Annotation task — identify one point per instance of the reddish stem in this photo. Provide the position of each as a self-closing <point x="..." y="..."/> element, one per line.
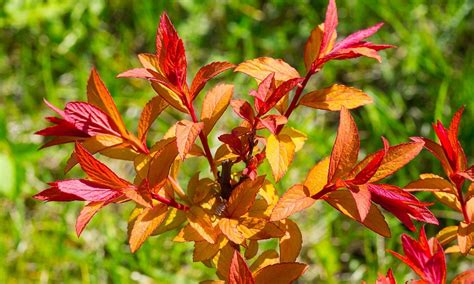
<point x="299" y="91"/>
<point x="204" y="142"/>
<point x="324" y="191"/>
<point x="461" y="201"/>
<point x="170" y="202"/>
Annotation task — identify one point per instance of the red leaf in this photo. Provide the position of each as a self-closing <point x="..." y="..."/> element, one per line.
<point x="363" y="201"/>
<point x="357" y="37"/>
<point x="239" y="272"/>
<point x="77" y="189"/>
<point x="90" y="119"/>
<point x="272" y="122"/>
<point x="171" y="54"/>
<point x="371" y="168"/>
<point x="206" y="73"/>
<point x="401" y="204"/>
<point x="330" y="25"/>
<point x="275" y="97"/>
<point x="97" y="171"/>
<point x="243" y="109"/>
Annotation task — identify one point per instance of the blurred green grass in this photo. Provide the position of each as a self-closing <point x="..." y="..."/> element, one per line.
<point x="48" y="47"/>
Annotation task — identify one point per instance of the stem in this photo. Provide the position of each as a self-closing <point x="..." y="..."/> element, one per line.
<point x="177" y="188"/>
<point x="204" y="142"/>
<point x="170" y="202"/>
<point x="294" y="101"/>
<point x="324" y="191"/>
<point x="462" y="202"/>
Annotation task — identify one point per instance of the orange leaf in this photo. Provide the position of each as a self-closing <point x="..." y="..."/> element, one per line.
<point x="145" y="223"/>
<point x="251" y="250"/>
<point x="343" y="201"/>
<point x="229" y="229"/>
<point x="296" y="199"/>
<point x="99" y="96"/>
<point x="186" y="134"/>
<point x="279" y="152"/>
<point x="204" y="250"/>
<point x="108" y="145"/>
<point x="280" y="273"/>
<point x="150" y="112"/>
<point x="335" y="97"/>
<point x="215" y="103"/>
<point x="202" y="223"/>
<point x="430" y="183"/>
<point x="243" y="197"/>
<point x="266" y="258"/>
<point x="465" y="237"/>
<point x="260" y="68"/>
<point x="174" y="219"/>
<point x="317" y="177"/>
<point x="89" y="210"/>
<point x="291" y="242"/>
<point x="223" y="260"/>
<point x="188" y="234"/>
<point x="449" y="200"/>
<point x="313" y="45"/>
<point x="206" y="73"/>
<point x="395" y="158"/>
<point x="161" y="164"/>
<point x="239" y="272"/>
<point x="97" y="171"/>
<point x="346" y="148"/>
<point x="311" y="48"/>
<point x="465" y="277"/>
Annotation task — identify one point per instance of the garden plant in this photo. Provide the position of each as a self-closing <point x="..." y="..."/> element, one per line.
<point x="228" y="209"/>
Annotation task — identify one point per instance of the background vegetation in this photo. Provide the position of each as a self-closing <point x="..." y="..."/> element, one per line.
<point x="48" y="47"/>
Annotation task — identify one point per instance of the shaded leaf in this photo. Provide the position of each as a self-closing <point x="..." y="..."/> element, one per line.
<point x="215" y="103"/>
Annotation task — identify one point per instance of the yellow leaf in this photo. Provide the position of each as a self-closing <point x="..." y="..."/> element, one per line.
<point x="260" y="68"/>
<point x="229" y="229"/>
<point x="198" y="190"/>
<point x="202" y="223"/>
<point x="145" y="223"/>
<point x="317" y="177"/>
<point x="243" y="197"/>
<point x="251" y="250"/>
<point x="269" y="193"/>
<point x="280" y="273"/>
<point x="296" y="136"/>
<point x="170" y="97"/>
<point x="335" y="97"/>
<point x="447" y="235"/>
<point x="186" y="134"/>
<point x="296" y="199"/>
<point x="150" y="61"/>
<point x="343" y="201"/>
<point x="215" y="103"/>
<point x="449" y="200"/>
<point x="266" y="258"/>
<point x="279" y="152"/>
<point x="291" y="242"/>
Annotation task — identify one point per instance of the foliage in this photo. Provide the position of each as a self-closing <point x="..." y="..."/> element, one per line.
<point x="234" y="210"/>
<point x="428" y="76"/>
